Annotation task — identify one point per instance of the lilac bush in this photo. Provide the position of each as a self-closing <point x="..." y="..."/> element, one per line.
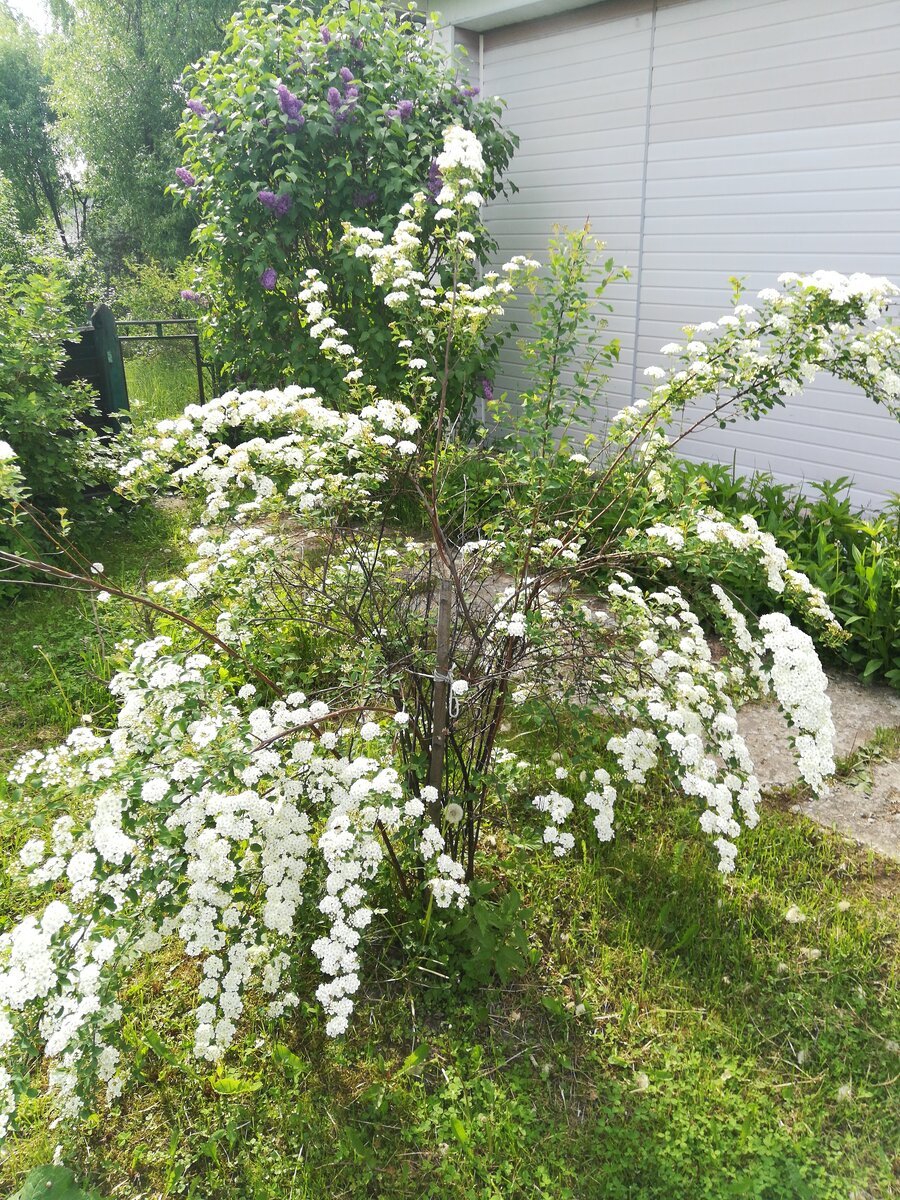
<point x="293" y="128"/>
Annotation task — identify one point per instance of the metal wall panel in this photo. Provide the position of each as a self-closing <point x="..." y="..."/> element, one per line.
<point x="581" y="157"/>
<point x="765" y="138"/>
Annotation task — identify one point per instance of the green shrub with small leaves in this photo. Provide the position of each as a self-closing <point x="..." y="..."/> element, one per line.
<point x="147" y="288"/>
<point x="43" y="420"/>
<point x="851" y="554"/>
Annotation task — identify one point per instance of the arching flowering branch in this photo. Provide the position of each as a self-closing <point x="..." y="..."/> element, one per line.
<point x="252" y="834"/>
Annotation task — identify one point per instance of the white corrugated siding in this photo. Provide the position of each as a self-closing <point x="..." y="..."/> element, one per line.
<point x="582" y="146"/>
<point x="771" y="142"/>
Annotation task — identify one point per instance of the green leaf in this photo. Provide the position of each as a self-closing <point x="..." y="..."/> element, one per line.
<point x="413" y="1061"/>
<point x="52" y="1183"/>
<point x="158" y="1046"/>
<point x="459" y="1129"/>
<point x="287" y="1059"/>
<point x="229" y="1085"/>
<point x="374" y="1094"/>
<point x="554" y="1006"/>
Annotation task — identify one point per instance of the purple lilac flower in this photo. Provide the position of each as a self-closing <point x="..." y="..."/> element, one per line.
<point x="267" y="279"/>
<point x="194" y="297"/>
<point x="282" y="205"/>
<point x="405" y="108"/>
<point x="266" y="198"/>
<point x="487" y="389"/>
<point x="197" y="107"/>
<point x="356" y="42"/>
<point x="435" y="178"/>
<point x="295" y="125"/>
<point x="393" y="114"/>
<point x="334" y="98"/>
<point x="326" y="34"/>
<point x="290" y="104"/>
<point x="465" y="94"/>
<point x="346" y="74"/>
<point x="185" y="176"/>
<point x="351" y="91"/>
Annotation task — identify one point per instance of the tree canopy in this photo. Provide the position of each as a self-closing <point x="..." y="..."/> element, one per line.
<point x="29" y="158"/>
<point x="133" y="53"/>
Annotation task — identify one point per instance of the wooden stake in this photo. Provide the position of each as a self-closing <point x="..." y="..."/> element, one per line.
<point x="441" y="698"/>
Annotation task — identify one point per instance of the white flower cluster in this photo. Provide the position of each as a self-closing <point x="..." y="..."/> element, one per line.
<point x="603" y="804"/>
<point x="873" y="290"/>
<point x="425" y="305"/>
<point x="679" y="703"/>
<point x="757" y="356"/>
<point x="195" y="820"/>
<point x="461" y="152"/>
<point x="445" y="875"/>
<point x="364" y="794"/>
<point x="710" y="528"/>
<point x="323" y="326"/>
<point x="558" y="808"/>
<point x="799" y="684"/>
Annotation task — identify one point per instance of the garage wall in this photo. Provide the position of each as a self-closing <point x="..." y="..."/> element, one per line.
<point x="582" y="149"/>
<point x="710" y="138"/>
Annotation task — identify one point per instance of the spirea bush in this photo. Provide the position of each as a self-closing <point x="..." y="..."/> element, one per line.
<point x="301" y="123"/>
<point x="329" y="716"/>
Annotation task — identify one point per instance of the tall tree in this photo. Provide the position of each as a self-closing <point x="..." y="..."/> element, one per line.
<point x="115" y="68"/>
<point x="28" y="156"/>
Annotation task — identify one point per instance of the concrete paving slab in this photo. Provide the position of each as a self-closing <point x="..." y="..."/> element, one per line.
<point x="857" y="710"/>
<point x="867" y="808"/>
<point x="868" y="812"/>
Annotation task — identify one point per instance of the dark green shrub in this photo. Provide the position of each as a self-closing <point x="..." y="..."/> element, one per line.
<point x="853" y="556"/>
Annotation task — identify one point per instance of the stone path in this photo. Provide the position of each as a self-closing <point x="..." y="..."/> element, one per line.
<point x="866" y="807"/>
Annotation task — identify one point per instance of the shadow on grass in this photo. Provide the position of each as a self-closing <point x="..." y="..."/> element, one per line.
<point x="707" y="1062"/>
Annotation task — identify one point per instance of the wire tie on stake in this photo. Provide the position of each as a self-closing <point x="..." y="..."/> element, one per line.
<point x="452" y="698"/>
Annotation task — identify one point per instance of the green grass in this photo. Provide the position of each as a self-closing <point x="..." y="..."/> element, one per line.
<point x="708" y="1061"/>
<point x="161" y="384"/>
<point x="714" y="1055"/>
<point x="57" y="646"/>
<point x="55" y="662"/>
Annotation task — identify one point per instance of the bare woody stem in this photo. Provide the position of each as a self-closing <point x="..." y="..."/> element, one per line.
<point x="17" y="560"/>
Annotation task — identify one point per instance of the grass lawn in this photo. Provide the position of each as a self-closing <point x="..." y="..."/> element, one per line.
<point x="669" y="1036"/>
<point x="162" y="383"/>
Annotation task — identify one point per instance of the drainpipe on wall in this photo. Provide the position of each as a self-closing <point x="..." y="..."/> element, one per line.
<point x="482" y="406"/>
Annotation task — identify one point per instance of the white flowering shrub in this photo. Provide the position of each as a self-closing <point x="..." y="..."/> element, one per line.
<point x="322" y="724"/>
<point x="10" y="474"/>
